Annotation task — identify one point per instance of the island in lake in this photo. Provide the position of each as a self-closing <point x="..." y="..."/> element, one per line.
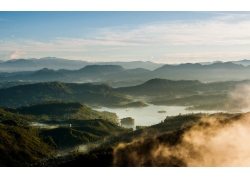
<point x="162" y="111"/>
<point x="127" y="121"/>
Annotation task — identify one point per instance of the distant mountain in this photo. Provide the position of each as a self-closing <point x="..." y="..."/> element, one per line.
<point x="213" y="72"/>
<point x="129" y="74"/>
<point x="98" y="70"/>
<point x="225" y="65"/>
<point x="134" y="64"/>
<point x="88" y="73"/>
<point x="36" y="64"/>
<point x="219" y="71"/>
<point x="242" y="62"/>
<point x="48" y="74"/>
<point x="42" y="75"/>
<point x="163" y="89"/>
<point x="158" y="87"/>
<point x="59" y="63"/>
<point x="104" y="69"/>
<point x="121" y="83"/>
<point x="208" y="63"/>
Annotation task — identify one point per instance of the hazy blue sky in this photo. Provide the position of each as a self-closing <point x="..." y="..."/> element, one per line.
<point x="168" y="37"/>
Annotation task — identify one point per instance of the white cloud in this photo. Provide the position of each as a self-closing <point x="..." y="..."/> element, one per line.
<point x="208" y="54"/>
<point x="213" y="32"/>
<point x="221" y="31"/>
<point x="204" y="56"/>
<point x="16" y="54"/>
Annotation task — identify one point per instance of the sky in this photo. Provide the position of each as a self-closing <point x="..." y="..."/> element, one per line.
<point x="95" y="36"/>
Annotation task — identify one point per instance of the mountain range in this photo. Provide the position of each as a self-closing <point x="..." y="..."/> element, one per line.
<point x="155" y="90"/>
<point x="100" y="73"/>
<point x="33" y="64"/>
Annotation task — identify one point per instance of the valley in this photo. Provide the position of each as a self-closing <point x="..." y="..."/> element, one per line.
<point x="48" y="120"/>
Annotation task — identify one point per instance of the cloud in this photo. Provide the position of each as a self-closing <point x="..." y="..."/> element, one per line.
<point x="217" y="31"/>
<point x="16" y="54"/>
<point x="156" y="39"/>
<point x="205" y="56"/>
<point x="239" y="97"/>
<point x="215" y="141"/>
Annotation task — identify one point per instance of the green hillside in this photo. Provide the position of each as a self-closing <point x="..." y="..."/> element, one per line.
<point x="24" y="145"/>
<point x="63" y="111"/>
<point x="82" y="132"/>
<point x="88" y="93"/>
<point x="159" y="87"/>
<point x="20" y="146"/>
<point x="196" y="95"/>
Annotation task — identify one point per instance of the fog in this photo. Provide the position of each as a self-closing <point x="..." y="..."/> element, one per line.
<point x="215" y="140"/>
<point x="240" y="97"/>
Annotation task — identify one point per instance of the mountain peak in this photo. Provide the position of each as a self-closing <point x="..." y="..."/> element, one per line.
<point x="102" y="68"/>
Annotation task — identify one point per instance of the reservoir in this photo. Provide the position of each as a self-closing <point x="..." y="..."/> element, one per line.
<point x="152" y="114"/>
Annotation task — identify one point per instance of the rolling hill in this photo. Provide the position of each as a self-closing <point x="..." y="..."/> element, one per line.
<point x="62" y="110"/>
<point x="55" y="91"/>
<point x="159" y="87"/>
<point x="212" y="72"/>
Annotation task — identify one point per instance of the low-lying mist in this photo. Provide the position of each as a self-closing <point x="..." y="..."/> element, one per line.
<point x="240" y="97"/>
<point x="215" y="140"/>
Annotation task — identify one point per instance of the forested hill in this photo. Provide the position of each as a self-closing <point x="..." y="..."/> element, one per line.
<point x="62" y="110"/>
<point x="22" y="144"/>
<point x="165" y="87"/>
<point x="159" y="87"/>
<point x="212" y="72"/>
<point x="55" y="91"/>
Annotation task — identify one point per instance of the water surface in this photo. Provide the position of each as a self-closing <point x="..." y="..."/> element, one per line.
<point x="146" y="116"/>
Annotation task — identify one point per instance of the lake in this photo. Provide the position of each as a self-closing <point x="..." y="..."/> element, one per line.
<point x="146" y="116"/>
